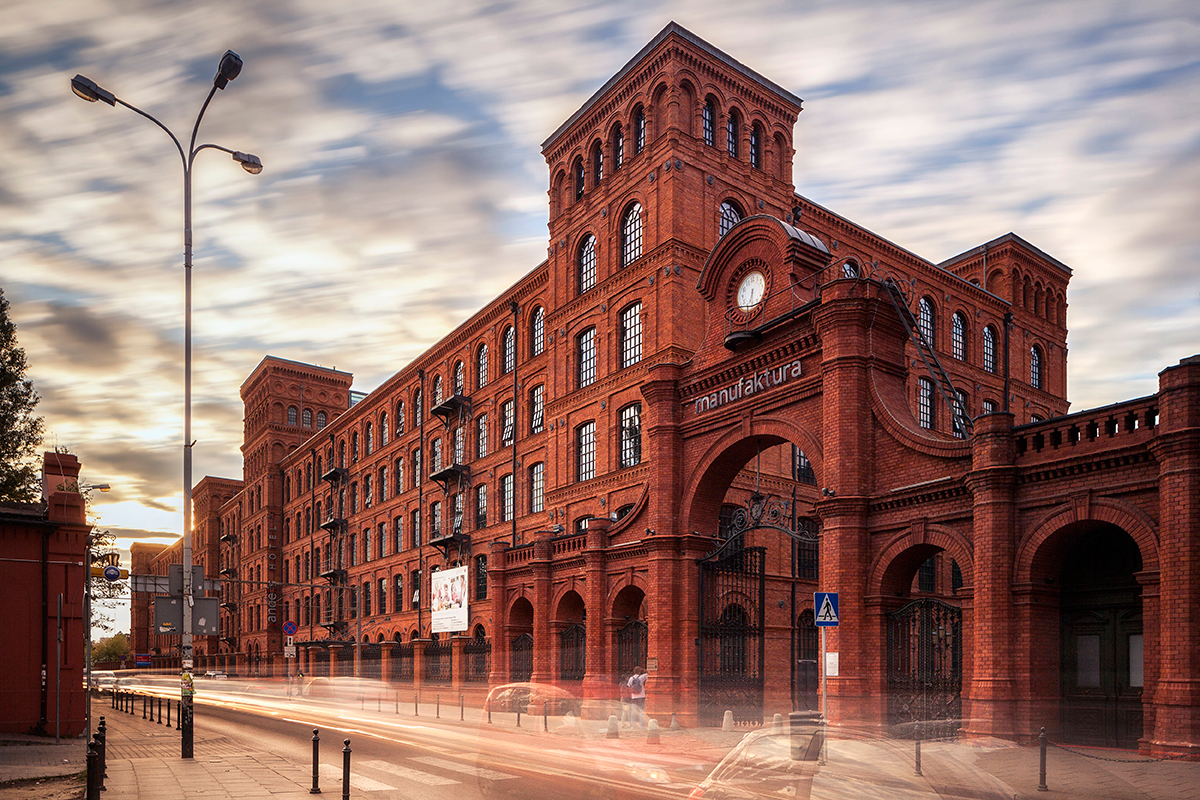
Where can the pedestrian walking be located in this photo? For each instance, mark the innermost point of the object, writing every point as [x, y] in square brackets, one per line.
[637, 696]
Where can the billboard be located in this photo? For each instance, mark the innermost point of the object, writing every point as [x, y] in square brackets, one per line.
[449, 590]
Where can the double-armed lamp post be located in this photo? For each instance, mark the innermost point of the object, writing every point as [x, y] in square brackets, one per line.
[230, 68]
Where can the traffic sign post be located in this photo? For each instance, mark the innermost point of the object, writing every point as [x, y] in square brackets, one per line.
[825, 615]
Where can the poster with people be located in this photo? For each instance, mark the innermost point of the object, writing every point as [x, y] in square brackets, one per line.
[449, 589]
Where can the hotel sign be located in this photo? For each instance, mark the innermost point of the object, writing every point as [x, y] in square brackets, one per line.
[750, 385]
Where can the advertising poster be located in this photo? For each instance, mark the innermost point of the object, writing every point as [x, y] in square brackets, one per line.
[449, 588]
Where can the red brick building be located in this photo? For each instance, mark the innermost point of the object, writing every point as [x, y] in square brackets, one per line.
[42, 550]
[712, 398]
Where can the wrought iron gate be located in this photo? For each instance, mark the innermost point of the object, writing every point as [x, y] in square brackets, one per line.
[631, 648]
[924, 669]
[732, 593]
[522, 658]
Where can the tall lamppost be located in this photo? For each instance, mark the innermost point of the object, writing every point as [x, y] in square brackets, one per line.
[230, 68]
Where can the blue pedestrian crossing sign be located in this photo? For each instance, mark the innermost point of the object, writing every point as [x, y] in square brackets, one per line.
[825, 609]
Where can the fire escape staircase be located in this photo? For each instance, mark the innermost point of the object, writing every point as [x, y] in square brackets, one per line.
[455, 478]
[958, 413]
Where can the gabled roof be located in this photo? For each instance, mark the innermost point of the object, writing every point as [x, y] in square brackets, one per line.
[1001, 240]
[683, 33]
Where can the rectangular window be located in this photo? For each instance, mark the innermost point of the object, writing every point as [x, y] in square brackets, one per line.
[960, 415]
[398, 594]
[399, 476]
[537, 482]
[366, 593]
[585, 450]
[631, 335]
[506, 414]
[808, 558]
[383, 595]
[416, 459]
[366, 491]
[458, 513]
[925, 403]
[481, 506]
[586, 352]
[631, 435]
[366, 544]
[537, 408]
[435, 520]
[383, 483]
[481, 578]
[354, 550]
[382, 539]
[416, 527]
[927, 575]
[415, 580]
[435, 455]
[459, 439]
[506, 497]
[481, 433]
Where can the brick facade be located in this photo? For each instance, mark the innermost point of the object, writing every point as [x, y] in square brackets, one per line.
[662, 368]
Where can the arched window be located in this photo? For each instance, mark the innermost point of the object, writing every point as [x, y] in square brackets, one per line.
[383, 429]
[481, 434]
[958, 336]
[708, 125]
[925, 403]
[437, 390]
[586, 354]
[460, 373]
[585, 451]
[618, 146]
[400, 419]
[631, 335]
[577, 171]
[732, 127]
[481, 366]
[537, 408]
[354, 448]
[989, 348]
[322, 420]
[756, 137]
[369, 438]
[850, 269]
[307, 417]
[508, 351]
[925, 321]
[1035, 367]
[537, 487]
[293, 415]
[597, 163]
[631, 235]
[586, 263]
[803, 468]
[630, 426]
[537, 331]
[639, 130]
[730, 215]
[418, 406]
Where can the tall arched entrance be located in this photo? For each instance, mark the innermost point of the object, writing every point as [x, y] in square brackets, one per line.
[1100, 611]
[755, 499]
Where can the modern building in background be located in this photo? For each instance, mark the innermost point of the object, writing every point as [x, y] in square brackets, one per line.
[713, 398]
[42, 550]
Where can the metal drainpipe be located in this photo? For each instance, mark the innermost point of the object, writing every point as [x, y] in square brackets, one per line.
[420, 497]
[1008, 320]
[515, 310]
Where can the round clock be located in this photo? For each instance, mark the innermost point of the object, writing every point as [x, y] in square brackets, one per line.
[750, 291]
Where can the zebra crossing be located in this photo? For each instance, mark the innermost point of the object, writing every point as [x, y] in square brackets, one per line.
[410, 775]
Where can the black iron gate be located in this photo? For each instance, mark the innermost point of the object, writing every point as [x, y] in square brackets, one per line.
[522, 658]
[924, 669]
[631, 648]
[732, 645]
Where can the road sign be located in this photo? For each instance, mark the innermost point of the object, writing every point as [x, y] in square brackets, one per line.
[112, 573]
[289, 651]
[289, 628]
[826, 609]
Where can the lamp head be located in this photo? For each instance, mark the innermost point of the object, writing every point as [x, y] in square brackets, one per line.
[90, 91]
[250, 162]
[230, 68]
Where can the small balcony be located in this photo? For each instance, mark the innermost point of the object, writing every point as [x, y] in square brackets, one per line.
[332, 524]
[334, 575]
[228, 572]
[334, 474]
[229, 537]
[454, 408]
[455, 476]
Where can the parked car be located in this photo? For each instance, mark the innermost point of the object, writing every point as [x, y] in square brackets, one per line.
[767, 763]
[529, 697]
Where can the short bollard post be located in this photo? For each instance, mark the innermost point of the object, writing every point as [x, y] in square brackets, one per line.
[545, 719]
[437, 708]
[103, 731]
[397, 702]
[489, 710]
[160, 710]
[144, 699]
[917, 738]
[461, 713]
[346, 771]
[1042, 787]
[316, 788]
[98, 746]
[518, 715]
[416, 708]
[93, 775]
[178, 714]
[169, 703]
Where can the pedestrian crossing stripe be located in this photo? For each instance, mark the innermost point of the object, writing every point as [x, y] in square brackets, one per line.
[826, 605]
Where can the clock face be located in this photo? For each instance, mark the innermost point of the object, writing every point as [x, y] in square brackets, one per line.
[750, 291]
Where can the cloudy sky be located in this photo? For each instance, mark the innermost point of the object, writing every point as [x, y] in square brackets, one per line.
[404, 184]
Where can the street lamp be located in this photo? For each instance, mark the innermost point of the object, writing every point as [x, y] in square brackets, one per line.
[230, 67]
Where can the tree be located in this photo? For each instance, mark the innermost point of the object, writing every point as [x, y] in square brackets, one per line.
[106, 594]
[110, 648]
[20, 429]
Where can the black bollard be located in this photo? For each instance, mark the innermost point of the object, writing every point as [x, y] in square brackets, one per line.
[93, 774]
[99, 749]
[518, 715]
[346, 771]
[316, 789]
[144, 699]
[102, 740]
[545, 719]
[918, 742]
[159, 710]
[416, 709]
[178, 714]
[461, 717]
[168, 713]
[489, 710]
[1042, 787]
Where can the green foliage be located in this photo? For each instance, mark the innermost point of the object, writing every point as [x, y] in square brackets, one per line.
[110, 648]
[106, 594]
[20, 429]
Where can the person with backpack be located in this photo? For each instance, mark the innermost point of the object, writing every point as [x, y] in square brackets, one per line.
[637, 696]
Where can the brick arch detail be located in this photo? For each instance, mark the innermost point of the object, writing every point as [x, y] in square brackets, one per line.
[622, 582]
[561, 592]
[758, 426]
[948, 539]
[1128, 518]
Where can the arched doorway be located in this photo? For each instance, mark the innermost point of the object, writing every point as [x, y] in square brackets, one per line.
[521, 629]
[1100, 609]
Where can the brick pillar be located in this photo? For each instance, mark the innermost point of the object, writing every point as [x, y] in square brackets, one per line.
[1176, 694]
[989, 700]
[458, 661]
[597, 681]
[544, 645]
[497, 590]
[856, 325]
